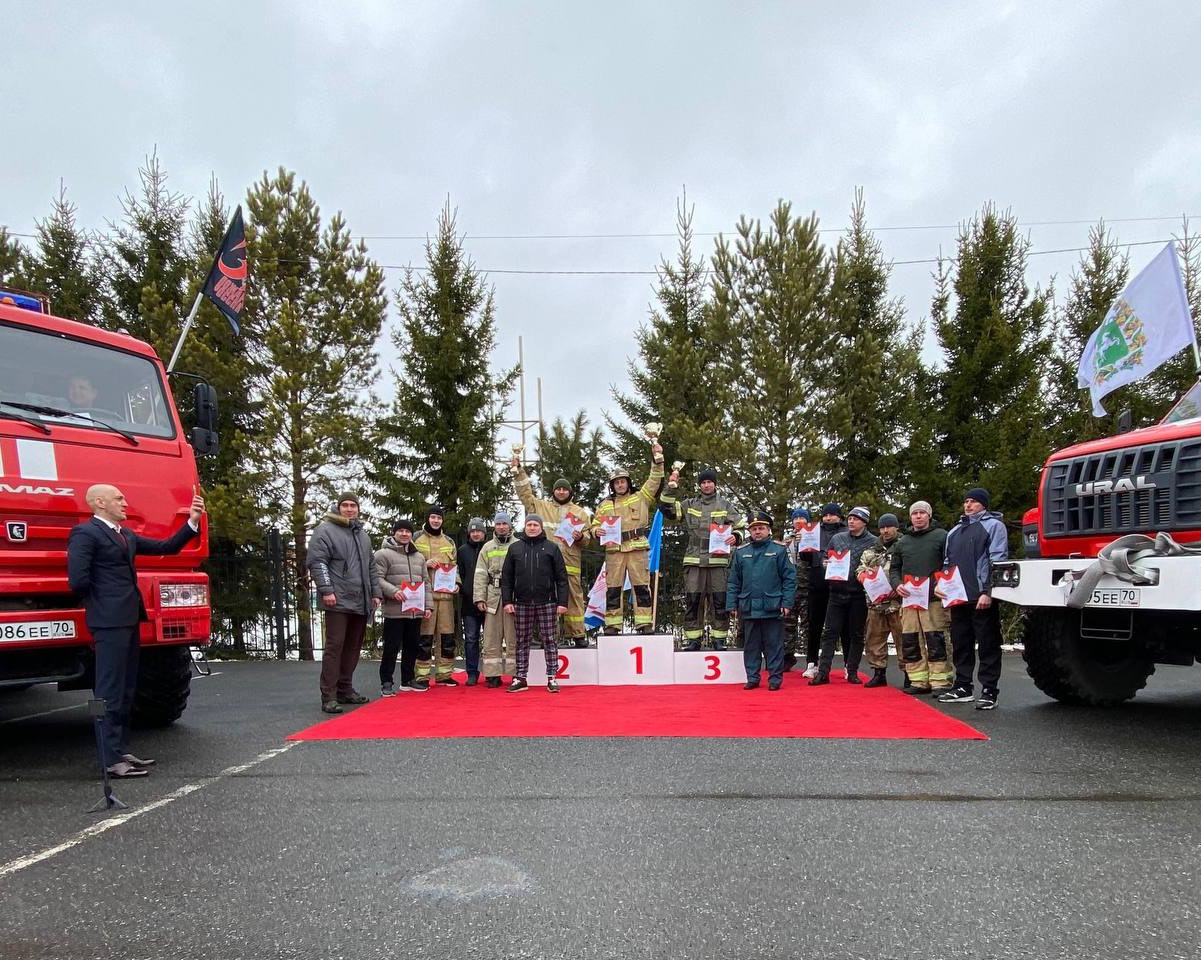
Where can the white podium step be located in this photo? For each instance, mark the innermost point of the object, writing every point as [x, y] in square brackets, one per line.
[637, 659]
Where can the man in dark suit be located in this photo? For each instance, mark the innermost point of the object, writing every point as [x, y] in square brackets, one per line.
[100, 570]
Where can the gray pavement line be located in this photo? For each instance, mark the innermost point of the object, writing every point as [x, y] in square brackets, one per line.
[44, 713]
[13, 866]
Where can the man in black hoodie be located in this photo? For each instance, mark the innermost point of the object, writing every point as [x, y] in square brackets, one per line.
[473, 619]
[533, 587]
[819, 589]
[846, 613]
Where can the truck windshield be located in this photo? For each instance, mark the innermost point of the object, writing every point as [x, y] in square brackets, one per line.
[114, 387]
[1187, 407]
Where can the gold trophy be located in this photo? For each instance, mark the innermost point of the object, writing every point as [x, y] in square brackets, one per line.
[652, 431]
[514, 466]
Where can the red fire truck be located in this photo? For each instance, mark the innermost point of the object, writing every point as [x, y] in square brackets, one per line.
[80, 405]
[1112, 583]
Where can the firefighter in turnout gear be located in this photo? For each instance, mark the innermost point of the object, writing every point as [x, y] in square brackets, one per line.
[884, 616]
[500, 628]
[925, 654]
[553, 512]
[704, 573]
[627, 513]
[438, 549]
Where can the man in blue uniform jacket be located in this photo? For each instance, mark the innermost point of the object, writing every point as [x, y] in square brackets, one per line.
[100, 570]
[760, 587]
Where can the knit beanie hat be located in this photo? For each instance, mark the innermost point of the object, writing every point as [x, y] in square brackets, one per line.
[888, 520]
[833, 508]
[707, 474]
[921, 506]
[502, 516]
[404, 523]
[561, 482]
[344, 497]
[979, 494]
[862, 513]
[477, 523]
[800, 513]
[534, 517]
[437, 509]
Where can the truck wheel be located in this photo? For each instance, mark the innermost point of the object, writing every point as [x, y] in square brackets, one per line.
[1068, 668]
[164, 681]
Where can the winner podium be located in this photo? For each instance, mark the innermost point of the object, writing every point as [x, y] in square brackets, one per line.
[638, 659]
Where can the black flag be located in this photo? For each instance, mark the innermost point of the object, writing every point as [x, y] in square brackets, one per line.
[226, 283]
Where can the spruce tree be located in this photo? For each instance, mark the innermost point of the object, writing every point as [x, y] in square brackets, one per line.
[769, 334]
[440, 438]
[575, 453]
[874, 382]
[991, 415]
[675, 366]
[316, 300]
[63, 266]
[1095, 284]
[12, 257]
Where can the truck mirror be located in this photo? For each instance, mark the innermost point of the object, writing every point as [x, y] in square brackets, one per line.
[1125, 421]
[204, 441]
[206, 409]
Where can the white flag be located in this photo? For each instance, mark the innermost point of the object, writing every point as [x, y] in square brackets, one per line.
[1146, 326]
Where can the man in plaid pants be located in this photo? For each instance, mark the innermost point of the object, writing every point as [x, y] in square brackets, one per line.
[533, 587]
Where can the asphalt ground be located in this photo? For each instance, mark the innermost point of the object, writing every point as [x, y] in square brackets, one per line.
[1071, 833]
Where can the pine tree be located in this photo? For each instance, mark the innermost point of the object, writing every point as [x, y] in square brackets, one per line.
[575, 453]
[769, 332]
[991, 416]
[441, 434]
[146, 264]
[675, 366]
[874, 384]
[317, 302]
[1095, 284]
[63, 266]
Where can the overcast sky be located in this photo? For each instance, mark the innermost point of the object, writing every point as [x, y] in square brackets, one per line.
[563, 118]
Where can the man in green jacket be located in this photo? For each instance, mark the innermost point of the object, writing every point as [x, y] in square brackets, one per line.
[761, 584]
[704, 572]
[925, 657]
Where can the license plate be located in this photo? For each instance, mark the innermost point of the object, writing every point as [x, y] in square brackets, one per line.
[37, 630]
[1116, 597]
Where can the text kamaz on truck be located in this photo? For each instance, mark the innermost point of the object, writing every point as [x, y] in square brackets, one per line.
[1101, 607]
[80, 405]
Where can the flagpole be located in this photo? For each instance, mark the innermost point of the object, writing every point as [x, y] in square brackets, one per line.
[186, 327]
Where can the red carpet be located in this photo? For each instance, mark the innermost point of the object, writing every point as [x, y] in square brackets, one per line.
[839, 710]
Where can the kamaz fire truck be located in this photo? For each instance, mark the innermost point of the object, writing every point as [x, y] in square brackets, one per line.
[80, 405]
[1114, 586]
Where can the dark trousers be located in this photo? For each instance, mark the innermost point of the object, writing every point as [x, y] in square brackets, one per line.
[763, 639]
[344, 634]
[846, 618]
[401, 635]
[473, 623]
[971, 628]
[818, 600]
[116, 679]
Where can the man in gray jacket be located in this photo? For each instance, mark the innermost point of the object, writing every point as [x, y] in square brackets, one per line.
[341, 564]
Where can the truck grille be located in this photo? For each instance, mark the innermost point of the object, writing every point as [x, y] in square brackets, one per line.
[1154, 487]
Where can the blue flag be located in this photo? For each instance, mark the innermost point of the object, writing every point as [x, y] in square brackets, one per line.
[656, 541]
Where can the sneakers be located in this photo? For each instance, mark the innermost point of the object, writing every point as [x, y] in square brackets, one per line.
[447, 682]
[552, 686]
[354, 697]
[387, 690]
[420, 685]
[518, 685]
[330, 706]
[879, 677]
[412, 687]
[957, 695]
[987, 701]
[492, 681]
[810, 671]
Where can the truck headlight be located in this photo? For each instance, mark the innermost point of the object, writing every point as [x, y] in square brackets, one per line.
[1006, 575]
[183, 594]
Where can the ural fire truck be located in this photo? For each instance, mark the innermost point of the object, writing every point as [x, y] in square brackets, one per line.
[80, 405]
[1116, 585]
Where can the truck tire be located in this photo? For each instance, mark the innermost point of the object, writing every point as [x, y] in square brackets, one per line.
[164, 682]
[1073, 670]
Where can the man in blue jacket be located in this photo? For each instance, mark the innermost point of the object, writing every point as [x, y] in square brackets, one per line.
[100, 570]
[974, 544]
[760, 587]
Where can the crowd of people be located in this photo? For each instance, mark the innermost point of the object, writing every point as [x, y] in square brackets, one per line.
[819, 584]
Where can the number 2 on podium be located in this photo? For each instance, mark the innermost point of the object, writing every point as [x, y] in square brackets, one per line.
[561, 673]
[636, 653]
